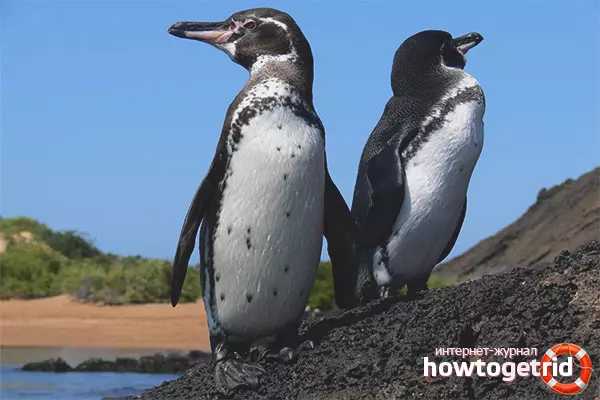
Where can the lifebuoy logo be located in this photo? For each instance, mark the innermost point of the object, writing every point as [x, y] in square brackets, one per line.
[550, 369]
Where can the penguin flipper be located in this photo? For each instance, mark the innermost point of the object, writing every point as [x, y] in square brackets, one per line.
[454, 237]
[385, 175]
[187, 237]
[338, 229]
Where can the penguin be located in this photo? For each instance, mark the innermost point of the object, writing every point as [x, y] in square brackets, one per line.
[410, 199]
[266, 201]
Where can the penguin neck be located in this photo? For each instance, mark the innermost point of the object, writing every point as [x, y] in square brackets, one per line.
[423, 81]
[289, 68]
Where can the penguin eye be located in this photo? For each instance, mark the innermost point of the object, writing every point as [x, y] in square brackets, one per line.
[250, 25]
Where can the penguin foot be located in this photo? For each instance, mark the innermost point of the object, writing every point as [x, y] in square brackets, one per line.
[258, 353]
[367, 293]
[233, 374]
[366, 290]
[287, 355]
[416, 290]
[385, 292]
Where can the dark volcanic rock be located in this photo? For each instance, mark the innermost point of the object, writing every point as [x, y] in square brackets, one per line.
[96, 365]
[52, 365]
[173, 363]
[119, 365]
[376, 352]
[565, 216]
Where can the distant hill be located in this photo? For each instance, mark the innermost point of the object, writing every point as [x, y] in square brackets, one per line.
[36, 261]
[21, 230]
[563, 217]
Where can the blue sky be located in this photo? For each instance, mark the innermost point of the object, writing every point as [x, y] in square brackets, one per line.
[109, 124]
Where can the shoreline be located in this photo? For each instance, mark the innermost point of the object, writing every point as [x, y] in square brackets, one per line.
[60, 322]
[20, 355]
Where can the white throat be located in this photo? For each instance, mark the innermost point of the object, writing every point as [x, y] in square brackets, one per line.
[264, 60]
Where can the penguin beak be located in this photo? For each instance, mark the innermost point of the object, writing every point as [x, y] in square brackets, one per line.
[208, 32]
[467, 42]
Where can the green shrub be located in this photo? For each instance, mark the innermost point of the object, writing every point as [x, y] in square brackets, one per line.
[131, 280]
[66, 262]
[70, 244]
[11, 226]
[321, 295]
[437, 281]
[30, 271]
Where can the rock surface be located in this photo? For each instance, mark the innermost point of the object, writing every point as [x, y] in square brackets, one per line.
[563, 217]
[51, 365]
[173, 363]
[376, 352]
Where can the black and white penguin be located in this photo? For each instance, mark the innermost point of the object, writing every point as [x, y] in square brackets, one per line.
[267, 199]
[410, 194]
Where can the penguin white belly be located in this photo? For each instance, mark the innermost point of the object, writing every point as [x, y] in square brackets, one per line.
[267, 243]
[437, 178]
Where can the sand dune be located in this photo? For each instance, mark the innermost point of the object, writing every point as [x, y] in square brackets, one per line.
[60, 321]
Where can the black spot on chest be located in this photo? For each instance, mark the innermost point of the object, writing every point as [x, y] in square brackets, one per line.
[258, 105]
[248, 239]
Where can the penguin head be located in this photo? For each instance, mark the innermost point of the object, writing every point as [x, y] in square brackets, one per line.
[251, 37]
[431, 53]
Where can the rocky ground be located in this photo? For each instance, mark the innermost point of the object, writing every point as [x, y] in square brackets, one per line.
[376, 352]
[563, 217]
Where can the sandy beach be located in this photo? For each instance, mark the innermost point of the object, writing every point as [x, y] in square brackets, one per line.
[60, 321]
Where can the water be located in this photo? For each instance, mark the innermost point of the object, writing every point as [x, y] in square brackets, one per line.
[18, 385]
